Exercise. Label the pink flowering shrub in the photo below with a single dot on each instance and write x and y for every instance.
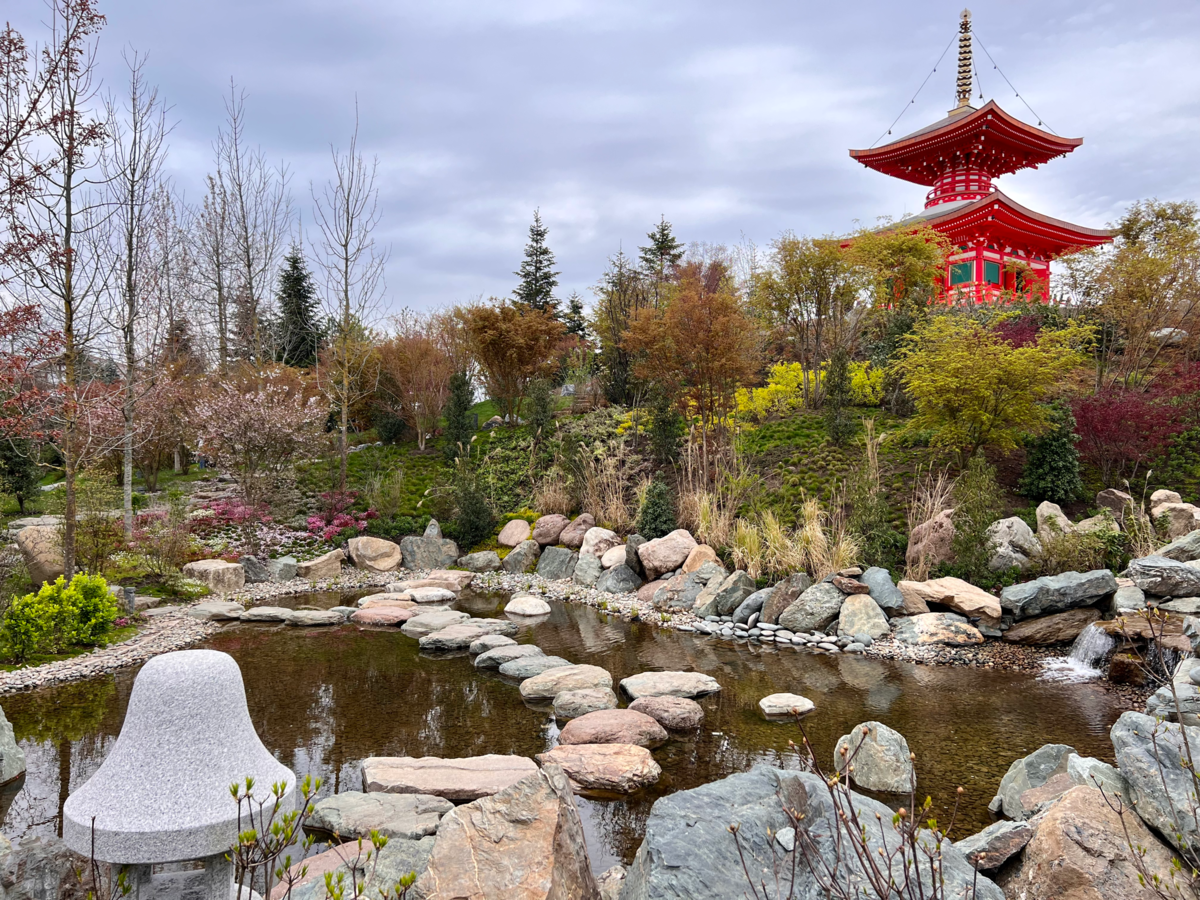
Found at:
(217, 515)
(339, 516)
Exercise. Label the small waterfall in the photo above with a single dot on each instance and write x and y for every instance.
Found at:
(1087, 654)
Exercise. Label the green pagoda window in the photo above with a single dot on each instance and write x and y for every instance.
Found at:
(962, 273)
(991, 272)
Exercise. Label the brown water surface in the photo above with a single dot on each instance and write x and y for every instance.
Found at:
(325, 698)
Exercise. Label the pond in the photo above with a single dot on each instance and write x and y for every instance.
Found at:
(325, 698)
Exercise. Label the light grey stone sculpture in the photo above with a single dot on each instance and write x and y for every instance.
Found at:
(162, 794)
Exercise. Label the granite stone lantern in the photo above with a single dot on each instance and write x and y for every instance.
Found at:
(162, 795)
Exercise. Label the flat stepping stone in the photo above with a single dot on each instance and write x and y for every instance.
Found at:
(454, 779)
(527, 605)
(495, 658)
(614, 726)
(265, 614)
(446, 579)
(216, 610)
(462, 635)
(572, 704)
(383, 615)
(550, 683)
(353, 814)
(674, 713)
(389, 598)
(529, 666)
(669, 684)
(432, 595)
(311, 618)
(491, 642)
(615, 768)
(781, 706)
(433, 620)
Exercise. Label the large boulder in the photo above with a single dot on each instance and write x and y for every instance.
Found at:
(1154, 762)
(995, 845)
(932, 541)
(572, 536)
(960, 596)
(1012, 544)
(1180, 518)
(546, 685)
(354, 814)
(667, 553)
(525, 843)
(688, 850)
(513, 533)
(751, 605)
(41, 549)
(1082, 850)
(587, 571)
(522, 558)
(12, 757)
(814, 610)
(862, 615)
(1026, 774)
(633, 559)
(1116, 502)
(453, 779)
(681, 591)
(608, 768)
(254, 571)
(613, 556)
(700, 554)
(613, 726)
(669, 684)
(877, 758)
(1163, 577)
(784, 595)
(483, 561)
(618, 580)
(44, 868)
(937, 628)
(1056, 628)
(598, 541)
(557, 563)
(220, 576)
(547, 529)
(422, 553)
(1183, 548)
(282, 568)
(883, 590)
(1056, 593)
(326, 566)
(1051, 521)
(673, 713)
(374, 554)
(721, 598)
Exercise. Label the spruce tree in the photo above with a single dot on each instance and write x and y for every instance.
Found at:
(459, 427)
(19, 473)
(298, 330)
(538, 278)
(660, 257)
(575, 319)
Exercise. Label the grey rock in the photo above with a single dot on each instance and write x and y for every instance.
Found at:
(1182, 549)
(587, 571)
(42, 868)
(937, 628)
(266, 614)
(423, 553)
(785, 706)
(433, 530)
(618, 580)
(688, 851)
(283, 568)
(1188, 606)
(12, 757)
(557, 563)
(1056, 593)
(380, 874)
(1029, 772)
(573, 704)
(863, 638)
(1012, 544)
(483, 561)
(528, 666)
(633, 545)
(669, 684)
(216, 610)
(1089, 771)
(878, 760)
(548, 684)
(883, 590)
(311, 618)
(785, 593)
(723, 597)
(1163, 577)
(816, 608)
(752, 605)
(1152, 760)
(527, 605)
(1162, 703)
(992, 847)
(490, 642)
(256, 572)
(353, 814)
(345, 611)
(862, 615)
(463, 634)
(522, 558)
(611, 882)
(1128, 597)
(187, 725)
(434, 620)
(494, 659)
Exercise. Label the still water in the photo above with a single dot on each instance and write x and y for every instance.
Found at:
(325, 698)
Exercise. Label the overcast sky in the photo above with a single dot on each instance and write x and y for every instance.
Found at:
(732, 119)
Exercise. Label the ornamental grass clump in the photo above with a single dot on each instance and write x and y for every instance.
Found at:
(59, 616)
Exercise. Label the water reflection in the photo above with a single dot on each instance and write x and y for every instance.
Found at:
(323, 699)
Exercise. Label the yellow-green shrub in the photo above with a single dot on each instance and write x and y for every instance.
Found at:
(58, 616)
(866, 384)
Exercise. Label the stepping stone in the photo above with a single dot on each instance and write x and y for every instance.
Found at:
(265, 614)
(389, 598)
(614, 726)
(675, 713)
(527, 605)
(309, 618)
(462, 635)
(494, 659)
(779, 706)
(216, 610)
(353, 814)
(552, 682)
(433, 620)
(383, 615)
(619, 768)
(572, 704)
(491, 642)
(529, 666)
(669, 684)
(454, 779)
(432, 595)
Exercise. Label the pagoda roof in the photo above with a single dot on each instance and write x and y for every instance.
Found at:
(1000, 220)
(987, 138)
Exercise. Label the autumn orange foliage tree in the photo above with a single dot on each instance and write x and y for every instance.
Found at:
(415, 368)
(512, 344)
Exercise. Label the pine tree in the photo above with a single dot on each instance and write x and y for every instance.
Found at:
(459, 427)
(575, 318)
(298, 331)
(19, 473)
(538, 278)
(660, 257)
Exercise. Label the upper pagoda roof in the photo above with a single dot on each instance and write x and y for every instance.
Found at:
(987, 138)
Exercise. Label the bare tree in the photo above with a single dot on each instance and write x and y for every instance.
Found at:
(346, 213)
(212, 248)
(133, 168)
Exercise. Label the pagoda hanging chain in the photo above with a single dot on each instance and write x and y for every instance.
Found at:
(913, 99)
(996, 66)
(964, 59)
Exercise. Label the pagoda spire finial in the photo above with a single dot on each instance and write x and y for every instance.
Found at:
(964, 62)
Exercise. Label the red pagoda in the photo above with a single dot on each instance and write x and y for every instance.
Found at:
(998, 240)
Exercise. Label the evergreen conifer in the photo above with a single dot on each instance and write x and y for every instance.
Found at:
(459, 427)
(538, 278)
(298, 330)
(1052, 465)
(659, 257)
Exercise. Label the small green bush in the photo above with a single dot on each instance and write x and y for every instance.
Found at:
(977, 504)
(398, 527)
(59, 616)
(656, 518)
(1052, 465)
(667, 428)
